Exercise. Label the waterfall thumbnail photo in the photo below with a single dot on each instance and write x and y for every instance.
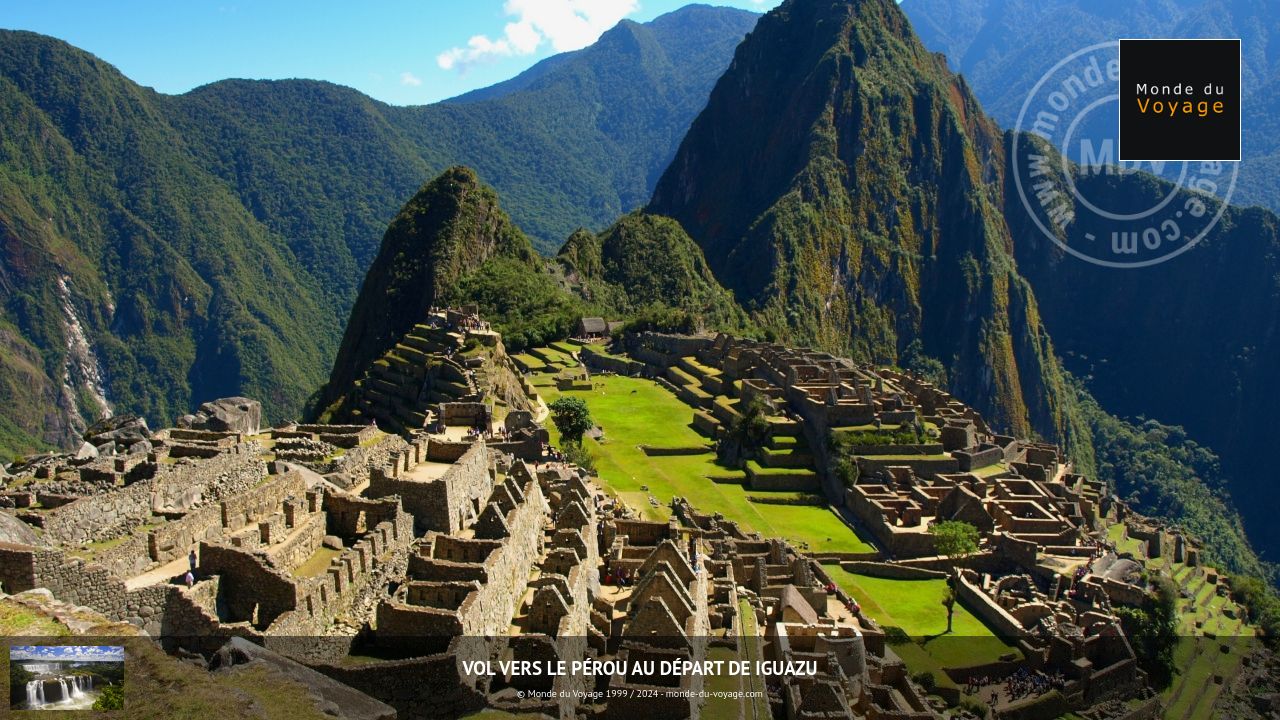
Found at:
(65, 677)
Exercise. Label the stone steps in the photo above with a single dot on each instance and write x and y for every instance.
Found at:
(764, 479)
(789, 459)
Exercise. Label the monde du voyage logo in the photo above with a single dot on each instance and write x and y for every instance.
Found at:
(1104, 115)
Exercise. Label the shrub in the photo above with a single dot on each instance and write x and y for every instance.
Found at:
(925, 680)
(895, 635)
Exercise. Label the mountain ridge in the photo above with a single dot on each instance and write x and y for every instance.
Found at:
(180, 302)
(865, 221)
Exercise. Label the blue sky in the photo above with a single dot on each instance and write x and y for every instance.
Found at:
(402, 52)
(74, 653)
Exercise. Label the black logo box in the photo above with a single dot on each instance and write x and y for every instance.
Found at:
(1179, 63)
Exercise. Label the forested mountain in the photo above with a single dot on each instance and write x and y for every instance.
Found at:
(130, 274)
(867, 207)
(159, 251)
(453, 244)
(452, 226)
(853, 211)
(1002, 47)
(1193, 340)
(643, 261)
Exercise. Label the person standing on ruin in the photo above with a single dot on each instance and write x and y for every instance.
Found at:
(191, 558)
(190, 579)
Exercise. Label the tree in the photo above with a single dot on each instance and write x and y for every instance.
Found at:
(949, 601)
(955, 540)
(1152, 631)
(578, 455)
(572, 418)
(747, 432)
(111, 698)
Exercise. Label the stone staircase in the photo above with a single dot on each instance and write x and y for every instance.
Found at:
(422, 370)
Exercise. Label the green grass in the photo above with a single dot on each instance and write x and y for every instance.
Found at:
(722, 708)
(317, 563)
(1197, 658)
(529, 361)
(552, 357)
(1116, 535)
(157, 685)
(90, 550)
(19, 620)
(757, 469)
(758, 708)
(916, 607)
(634, 412)
(990, 470)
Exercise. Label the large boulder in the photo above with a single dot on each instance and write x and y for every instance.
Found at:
(331, 697)
(232, 414)
(13, 530)
(117, 434)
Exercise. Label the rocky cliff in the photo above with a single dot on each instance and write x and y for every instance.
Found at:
(452, 226)
(840, 182)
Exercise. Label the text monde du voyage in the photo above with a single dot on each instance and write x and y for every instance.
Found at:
(537, 668)
(1180, 99)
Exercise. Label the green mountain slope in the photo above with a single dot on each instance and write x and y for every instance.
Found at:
(1004, 46)
(854, 211)
(646, 261)
(453, 244)
(160, 251)
(866, 208)
(451, 226)
(137, 276)
(1194, 340)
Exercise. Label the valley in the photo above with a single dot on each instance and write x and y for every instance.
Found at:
(722, 341)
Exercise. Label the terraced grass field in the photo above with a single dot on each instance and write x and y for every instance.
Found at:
(916, 607)
(634, 412)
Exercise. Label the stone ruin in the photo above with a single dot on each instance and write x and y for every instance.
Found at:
(454, 539)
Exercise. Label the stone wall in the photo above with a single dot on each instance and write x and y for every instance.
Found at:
(422, 688)
(129, 558)
(359, 461)
(300, 545)
(895, 543)
(981, 605)
(109, 515)
(161, 610)
(488, 608)
(610, 363)
(445, 451)
(353, 578)
(979, 458)
(892, 571)
(172, 539)
(100, 517)
(443, 504)
(249, 589)
(228, 473)
(17, 568)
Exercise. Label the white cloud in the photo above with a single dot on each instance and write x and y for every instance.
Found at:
(408, 78)
(564, 24)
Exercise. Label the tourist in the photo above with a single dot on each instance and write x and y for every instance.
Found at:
(190, 579)
(191, 558)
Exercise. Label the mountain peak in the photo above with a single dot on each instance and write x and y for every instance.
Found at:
(852, 210)
(451, 225)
